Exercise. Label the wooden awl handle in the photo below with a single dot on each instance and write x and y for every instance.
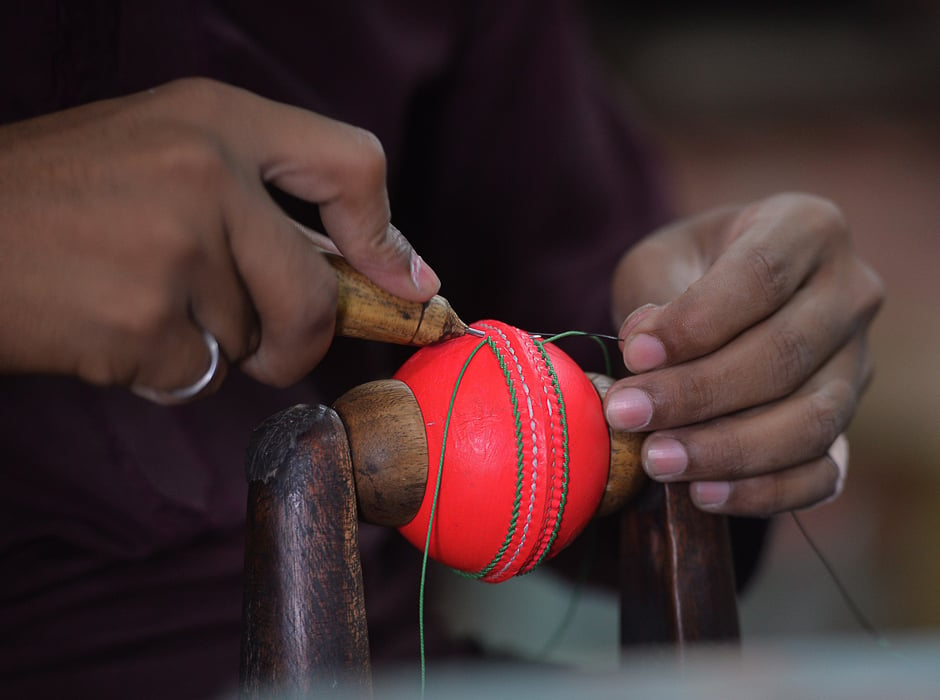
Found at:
(365, 310)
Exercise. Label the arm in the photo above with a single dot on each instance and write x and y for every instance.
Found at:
(128, 226)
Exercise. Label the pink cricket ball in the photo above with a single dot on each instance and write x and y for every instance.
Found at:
(526, 457)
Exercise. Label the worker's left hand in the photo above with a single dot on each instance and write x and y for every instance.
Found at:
(745, 330)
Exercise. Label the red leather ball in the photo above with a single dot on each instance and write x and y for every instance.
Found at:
(526, 456)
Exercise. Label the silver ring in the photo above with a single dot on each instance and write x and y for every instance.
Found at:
(176, 396)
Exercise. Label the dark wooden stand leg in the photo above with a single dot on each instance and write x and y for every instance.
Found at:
(676, 578)
(304, 616)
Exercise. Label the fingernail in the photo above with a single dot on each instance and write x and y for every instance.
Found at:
(416, 264)
(634, 318)
(665, 458)
(643, 353)
(711, 494)
(422, 276)
(629, 409)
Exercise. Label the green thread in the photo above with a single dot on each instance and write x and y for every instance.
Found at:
(596, 337)
(520, 463)
(847, 598)
(437, 491)
(563, 418)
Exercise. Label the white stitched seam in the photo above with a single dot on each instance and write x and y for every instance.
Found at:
(535, 458)
(539, 361)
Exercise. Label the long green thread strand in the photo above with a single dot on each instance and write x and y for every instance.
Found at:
(847, 598)
(437, 491)
(520, 463)
(563, 418)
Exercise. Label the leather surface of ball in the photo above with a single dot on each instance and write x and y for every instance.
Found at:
(526, 457)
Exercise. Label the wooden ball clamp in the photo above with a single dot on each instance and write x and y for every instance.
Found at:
(315, 472)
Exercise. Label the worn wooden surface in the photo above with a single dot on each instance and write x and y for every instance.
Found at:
(389, 448)
(304, 614)
(676, 576)
(626, 477)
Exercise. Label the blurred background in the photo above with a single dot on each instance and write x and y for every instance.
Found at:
(841, 99)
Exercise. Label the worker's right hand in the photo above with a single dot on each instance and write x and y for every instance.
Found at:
(129, 226)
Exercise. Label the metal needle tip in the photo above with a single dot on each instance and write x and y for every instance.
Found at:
(475, 331)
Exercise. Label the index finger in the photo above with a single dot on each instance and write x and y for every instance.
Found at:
(343, 168)
(773, 247)
(338, 166)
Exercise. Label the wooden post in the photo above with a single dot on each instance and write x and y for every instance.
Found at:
(676, 575)
(304, 613)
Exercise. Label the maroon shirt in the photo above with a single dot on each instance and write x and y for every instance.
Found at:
(121, 522)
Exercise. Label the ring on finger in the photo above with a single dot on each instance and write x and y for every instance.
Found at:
(172, 397)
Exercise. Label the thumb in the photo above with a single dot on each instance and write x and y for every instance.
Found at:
(354, 209)
(341, 168)
(388, 259)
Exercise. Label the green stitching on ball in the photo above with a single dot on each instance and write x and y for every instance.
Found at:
(520, 462)
(564, 432)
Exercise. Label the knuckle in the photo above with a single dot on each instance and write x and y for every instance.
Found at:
(816, 213)
(732, 456)
(390, 247)
(766, 496)
(694, 397)
(767, 274)
(737, 459)
(776, 498)
(177, 252)
(823, 215)
(790, 359)
(197, 94)
(825, 419)
(719, 449)
(149, 317)
(870, 292)
(368, 158)
(195, 158)
(687, 327)
(830, 483)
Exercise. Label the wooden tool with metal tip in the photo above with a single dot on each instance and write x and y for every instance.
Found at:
(365, 310)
